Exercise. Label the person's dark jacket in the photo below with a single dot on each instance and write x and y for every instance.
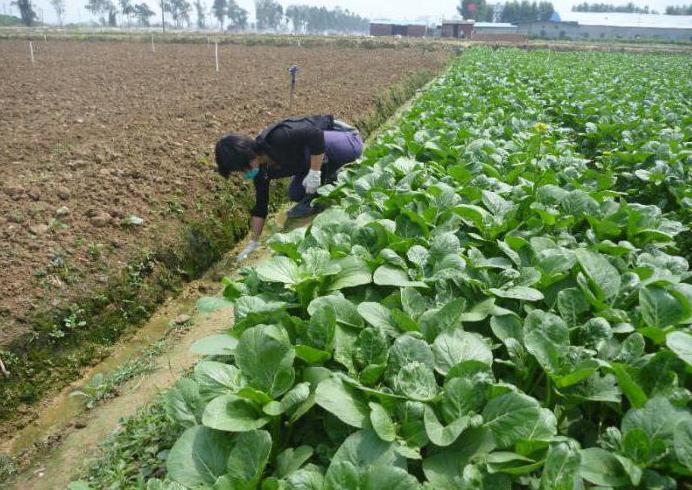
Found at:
(290, 147)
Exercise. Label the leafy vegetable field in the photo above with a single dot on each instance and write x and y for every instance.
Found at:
(497, 298)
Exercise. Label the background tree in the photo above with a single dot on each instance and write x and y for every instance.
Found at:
(475, 9)
(237, 15)
(607, 7)
(126, 10)
(297, 14)
(679, 10)
(59, 7)
(220, 9)
(519, 12)
(317, 20)
(26, 12)
(179, 10)
(545, 10)
(103, 7)
(200, 8)
(269, 14)
(143, 13)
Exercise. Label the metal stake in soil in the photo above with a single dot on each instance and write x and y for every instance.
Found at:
(153, 48)
(216, 55)
(293, 72)
(31, 50)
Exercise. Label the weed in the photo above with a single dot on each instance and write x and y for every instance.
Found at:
(94, 250)
(60, 149)
(74, 319)
(57, 224)
(8, 468)
(174, 207)
(136, 451)
(102, 387)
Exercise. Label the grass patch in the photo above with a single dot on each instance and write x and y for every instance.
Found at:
(245, 39)
(135, 452)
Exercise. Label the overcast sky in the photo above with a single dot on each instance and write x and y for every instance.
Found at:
(388, 9)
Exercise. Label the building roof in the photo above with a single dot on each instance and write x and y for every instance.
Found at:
(628, 20)
(397, 22)
(494, 24)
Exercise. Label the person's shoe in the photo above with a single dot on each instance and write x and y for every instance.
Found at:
(304, 209)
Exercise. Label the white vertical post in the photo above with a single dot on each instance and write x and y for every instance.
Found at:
(216, 55)
(153, 48)
(45, 38)
(31, 50)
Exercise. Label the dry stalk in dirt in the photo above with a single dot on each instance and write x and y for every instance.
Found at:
(3, 369)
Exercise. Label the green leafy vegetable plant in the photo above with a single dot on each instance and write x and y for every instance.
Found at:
(495, 299)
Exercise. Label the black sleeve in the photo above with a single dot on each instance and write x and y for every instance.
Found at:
(305, 135)
(261, 208)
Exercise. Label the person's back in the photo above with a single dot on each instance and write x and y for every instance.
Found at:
(310, 149)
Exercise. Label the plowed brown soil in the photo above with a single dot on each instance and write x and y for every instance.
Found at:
(94, 132)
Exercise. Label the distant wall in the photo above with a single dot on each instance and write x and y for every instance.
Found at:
(457, 30)
(415, 30)
(495, 30)
(410, 30)
(380, 29)
(506, 38)
(574, 31)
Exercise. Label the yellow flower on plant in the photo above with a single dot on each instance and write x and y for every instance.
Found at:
(540, 127)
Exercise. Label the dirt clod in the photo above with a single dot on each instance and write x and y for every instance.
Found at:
(63, 193)
(14, 190)
(39, 229)
(182, 319)
(100, 219)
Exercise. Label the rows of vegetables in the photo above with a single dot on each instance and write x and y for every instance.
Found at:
(496, 298)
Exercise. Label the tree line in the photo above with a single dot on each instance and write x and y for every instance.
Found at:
(269, 15)
(679, 9)
(629, 8)
(512, 12)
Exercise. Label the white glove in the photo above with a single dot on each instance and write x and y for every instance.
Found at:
(312, 181)
(251, 247)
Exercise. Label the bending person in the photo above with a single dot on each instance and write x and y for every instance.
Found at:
(310, 149)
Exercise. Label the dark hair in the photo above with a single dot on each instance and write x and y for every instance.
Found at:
(234, 152)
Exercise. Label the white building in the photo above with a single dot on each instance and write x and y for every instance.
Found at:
(593, 25)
